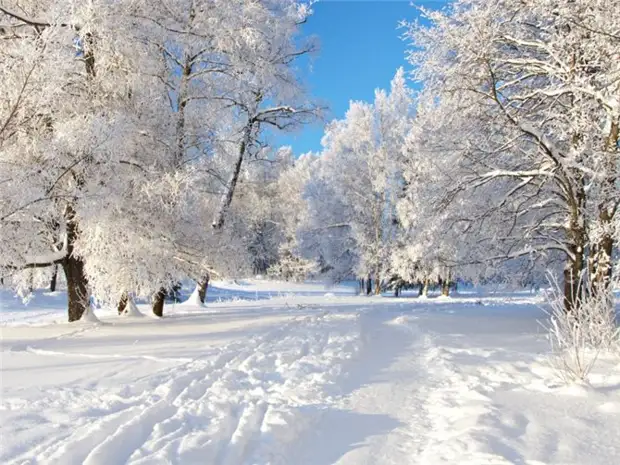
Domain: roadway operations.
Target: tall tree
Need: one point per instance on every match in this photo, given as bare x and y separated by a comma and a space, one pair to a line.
528, 88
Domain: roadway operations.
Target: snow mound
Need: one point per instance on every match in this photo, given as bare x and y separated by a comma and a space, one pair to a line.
329, 295
132, 310
89, 316
610, 407
400, 320
193, 300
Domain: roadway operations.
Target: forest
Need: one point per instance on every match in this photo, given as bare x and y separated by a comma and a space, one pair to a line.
137, 151
220, 245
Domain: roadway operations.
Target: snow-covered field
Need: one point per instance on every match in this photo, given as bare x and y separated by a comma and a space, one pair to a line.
274, 373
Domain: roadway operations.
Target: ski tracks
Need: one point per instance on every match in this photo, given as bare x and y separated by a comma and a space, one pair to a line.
241, 403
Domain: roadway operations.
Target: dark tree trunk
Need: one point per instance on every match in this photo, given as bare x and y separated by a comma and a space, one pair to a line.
122, 303
203, 287
573, 272
445, 286
54, 279
362, 286
158, 302
73, 267
602, 273
77, 287
368, 286
397, 291
572, 285
89, 56
229, 192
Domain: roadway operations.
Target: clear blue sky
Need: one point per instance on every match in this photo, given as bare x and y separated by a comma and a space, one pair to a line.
360, 50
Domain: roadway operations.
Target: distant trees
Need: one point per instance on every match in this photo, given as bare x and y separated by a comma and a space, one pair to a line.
355, 184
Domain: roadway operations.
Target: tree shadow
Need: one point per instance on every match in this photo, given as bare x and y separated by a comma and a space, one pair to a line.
339, 432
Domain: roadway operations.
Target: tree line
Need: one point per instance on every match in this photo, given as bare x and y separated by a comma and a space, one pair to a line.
134, 145
502, 166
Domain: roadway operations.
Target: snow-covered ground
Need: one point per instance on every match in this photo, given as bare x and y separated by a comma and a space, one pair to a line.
274, 373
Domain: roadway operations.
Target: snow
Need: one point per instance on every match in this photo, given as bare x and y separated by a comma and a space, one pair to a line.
132, 310
274, 373
89, 317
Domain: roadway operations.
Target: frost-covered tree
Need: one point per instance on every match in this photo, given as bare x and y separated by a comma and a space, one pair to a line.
75, 89
117, 121
360, 181
265, 91
525, 99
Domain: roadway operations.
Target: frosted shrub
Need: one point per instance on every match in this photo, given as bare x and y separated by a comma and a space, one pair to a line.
578, 337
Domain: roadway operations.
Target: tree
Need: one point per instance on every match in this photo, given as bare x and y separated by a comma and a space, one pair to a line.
529, 87
116, 131
266, 93
360, 181
71, 76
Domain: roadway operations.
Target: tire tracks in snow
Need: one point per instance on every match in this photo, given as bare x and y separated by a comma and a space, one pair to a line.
225, 409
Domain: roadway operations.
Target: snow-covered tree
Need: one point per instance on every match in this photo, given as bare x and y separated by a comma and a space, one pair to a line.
117, 122
528, 91
360, 181
69, 144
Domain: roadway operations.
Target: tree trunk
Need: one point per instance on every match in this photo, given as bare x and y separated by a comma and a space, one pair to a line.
576, 238
397, 291
182, 100
377, 287
227, 197
602, 261
77, 287
445, 286
425, 287
203, 287
158, 302
122, 303
73, 267
54, 279
368, 286
89, 56
362, 286
573, 273
572, 286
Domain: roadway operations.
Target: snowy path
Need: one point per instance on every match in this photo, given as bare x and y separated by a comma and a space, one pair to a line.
302, 380
230, 403
467, 385
380, 417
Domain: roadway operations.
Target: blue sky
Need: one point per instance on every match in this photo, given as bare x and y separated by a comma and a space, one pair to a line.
360, 50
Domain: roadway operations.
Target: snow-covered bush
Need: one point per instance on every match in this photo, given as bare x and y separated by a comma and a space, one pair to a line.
578, 336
